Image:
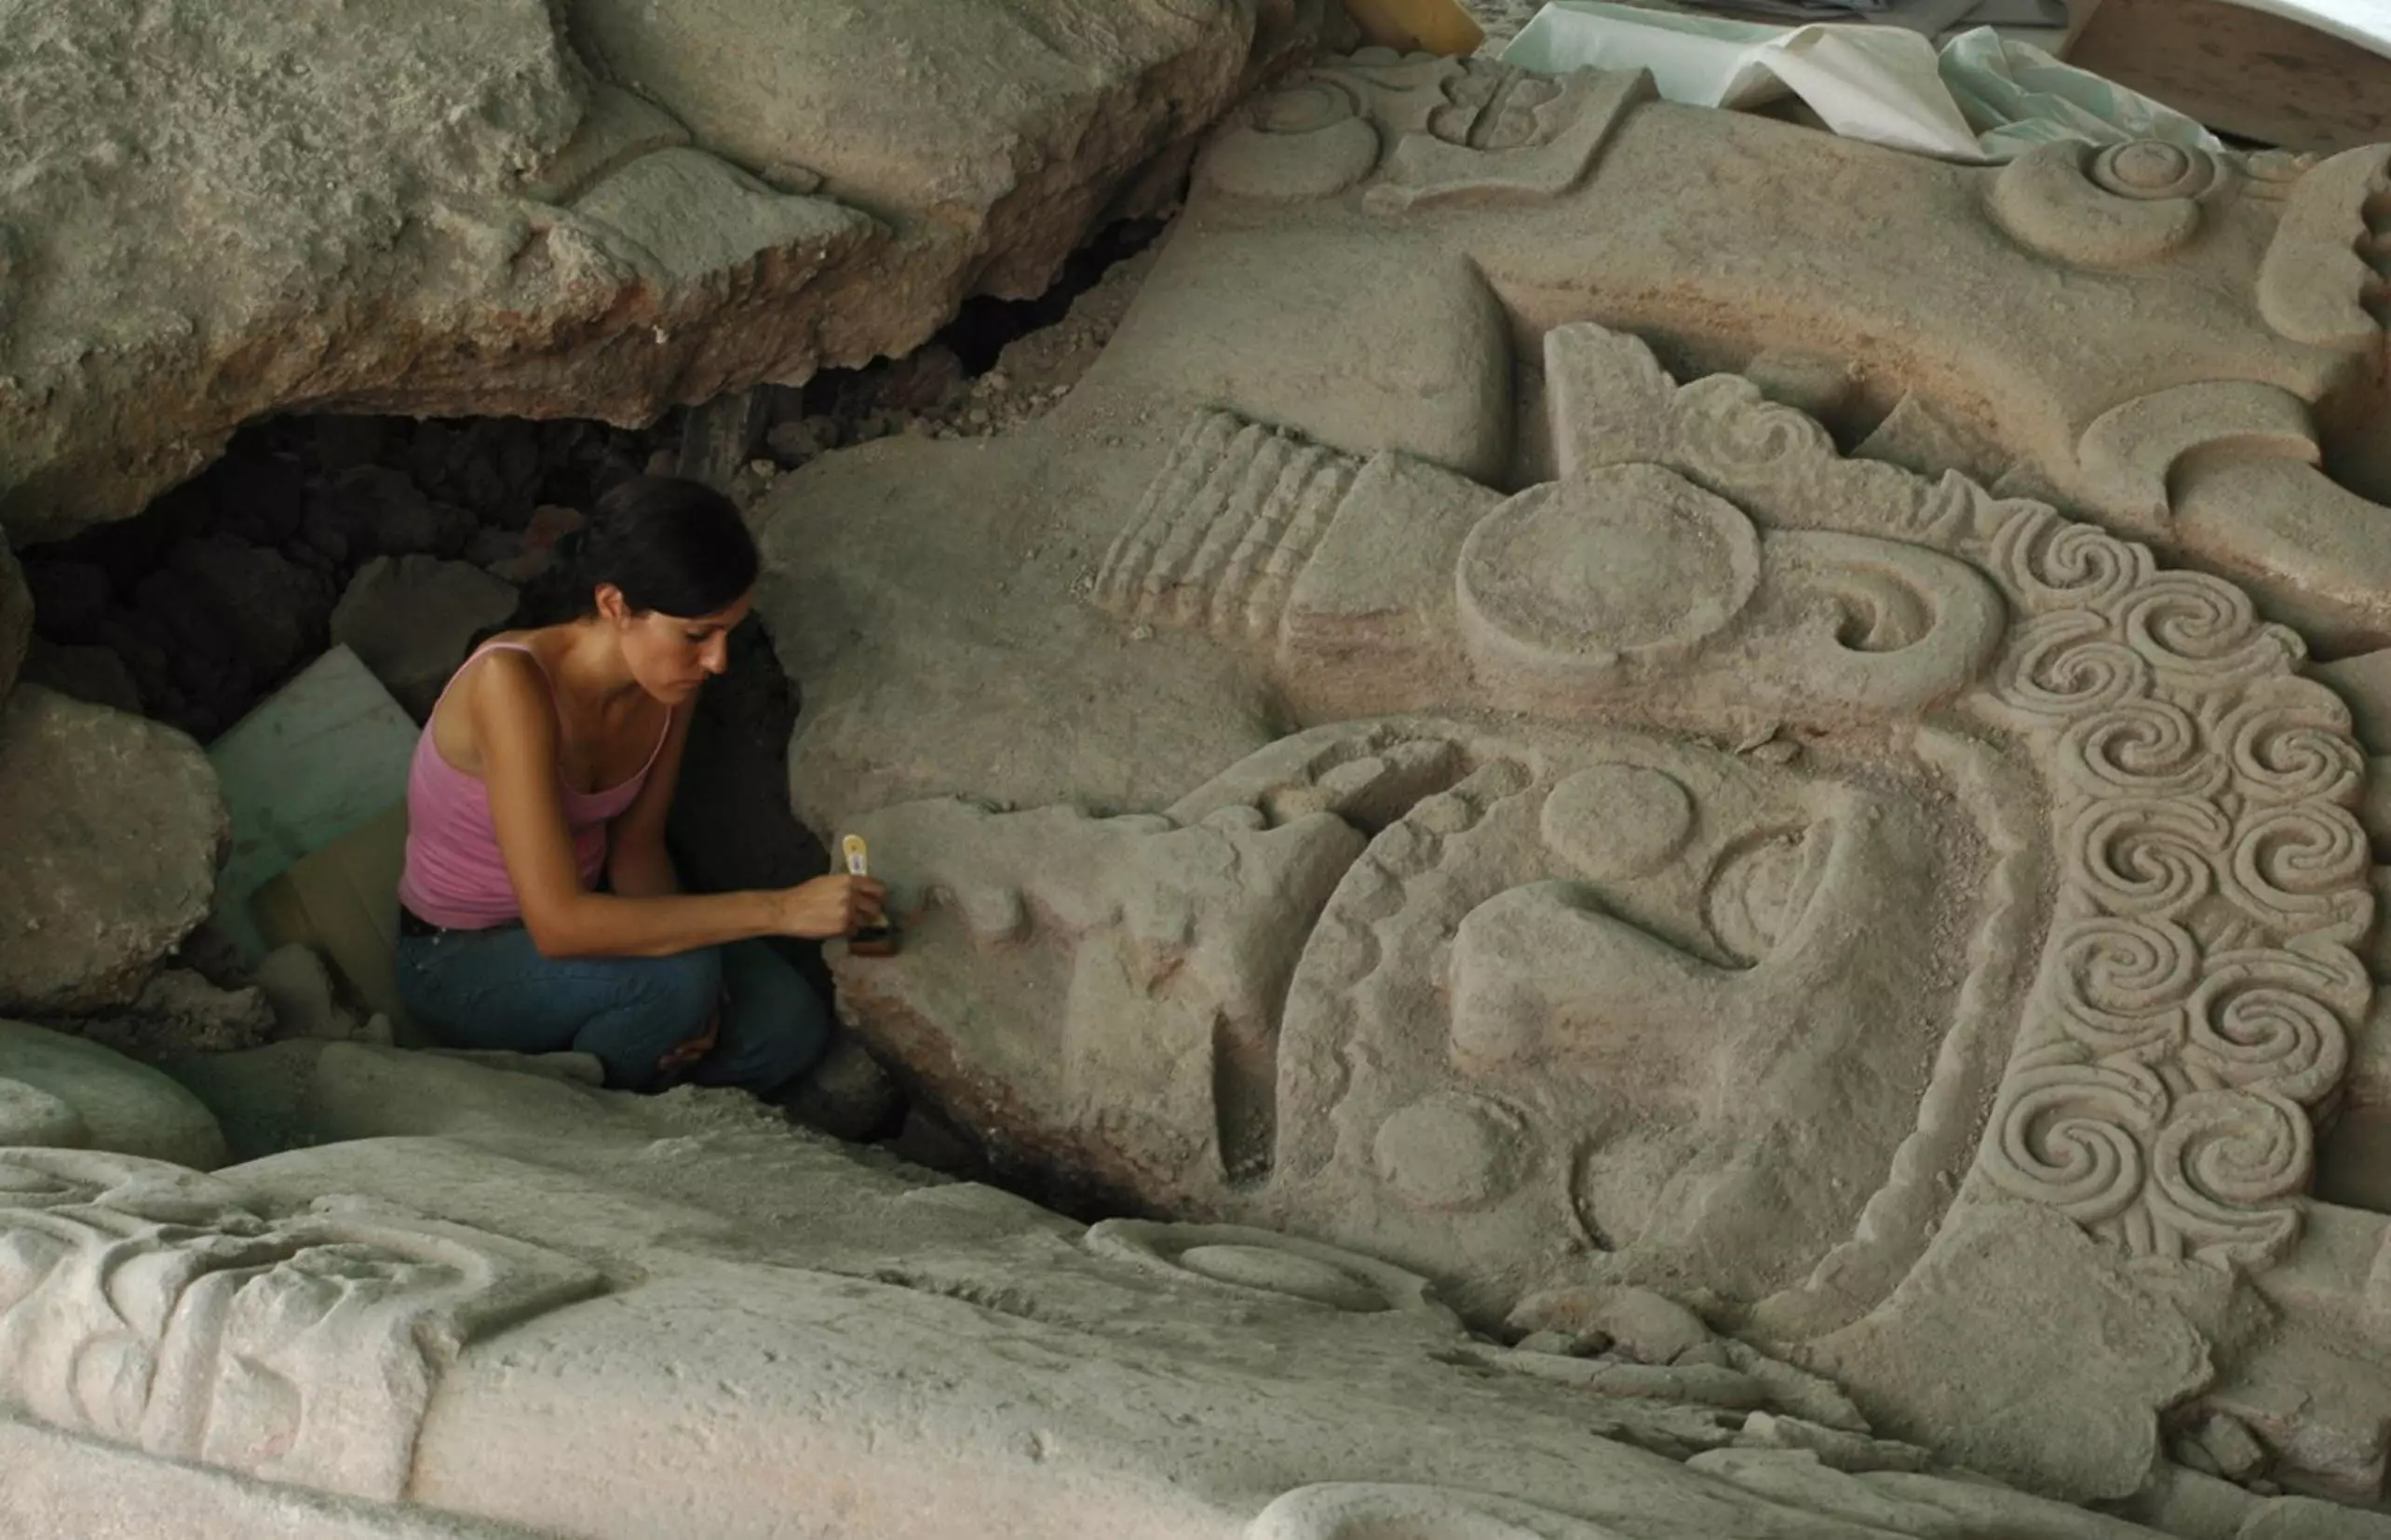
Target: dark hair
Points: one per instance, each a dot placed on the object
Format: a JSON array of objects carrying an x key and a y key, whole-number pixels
[{"x": 671, "y": 544}]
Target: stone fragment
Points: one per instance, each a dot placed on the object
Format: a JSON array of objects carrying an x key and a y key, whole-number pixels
[
  {"x": 299, "y": 988},
  {"x": 180, "y": 1011},
  {"x": 411, "y": 620},
  {"x": 718, "y": 437},
  {"x": 1835, "y": 1448},
  {"x": 1816, "y": 384},
  {"x": 2025, "y": 1375},
  {"x": 2308, "y": 1519},
  {"x": 536, "y": 549},
  {"x": 848, "y": 1095},
  {"x": 2192, "y": 1506},
  {"x": 111, "y": 828},
  {"x": 272, "y": 610},
  {"x": 110, "y": 1102},
  {"x": 379, "y": 510},
  {"x": 795, "y": 441},
  {"x": 93, "y": 675},
  {"x": 1642, "y": 1325},
  {"x": 2232, "y": 1451},
  {"x": 70, "y": 597}
]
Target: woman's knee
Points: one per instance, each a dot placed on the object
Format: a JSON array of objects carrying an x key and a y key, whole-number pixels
[
  {"x": 662, "y": 1002},
  {"x": 775, "y": 1027},
  {"x": 684, "y": 988}
]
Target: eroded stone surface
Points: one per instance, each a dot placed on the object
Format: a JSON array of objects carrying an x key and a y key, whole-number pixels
[
  {"x": 411, "y": 619},
  {"x": 1768, "y": 856},
  {"x": 435, "y": 209},
  {"x": 514, "y": 1262},
  {"x": 111, "y": 827},
  {"x": 62, "y": 1091}
]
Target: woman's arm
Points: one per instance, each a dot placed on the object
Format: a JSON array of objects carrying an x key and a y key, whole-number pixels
[
  {"x": 514, "y": 725},
  {"x": 639, "y": 865}
]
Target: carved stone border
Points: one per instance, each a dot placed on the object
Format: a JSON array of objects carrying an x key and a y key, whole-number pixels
[{"x": 2197, "y": 983}]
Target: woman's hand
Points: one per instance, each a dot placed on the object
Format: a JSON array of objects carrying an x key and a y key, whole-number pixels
[{"x": 830, "y": 906}]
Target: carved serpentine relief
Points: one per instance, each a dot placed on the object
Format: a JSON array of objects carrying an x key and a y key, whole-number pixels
[
  {"x": 144, "y": 1304},
  {"x": 2198, "y": 984},
  {"x": 2191, "y": 1010}
]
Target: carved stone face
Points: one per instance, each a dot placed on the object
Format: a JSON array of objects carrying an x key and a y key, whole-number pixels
[{"x": 1594, "y": 1020}]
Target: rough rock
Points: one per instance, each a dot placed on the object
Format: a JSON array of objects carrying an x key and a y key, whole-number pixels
[
  {"x": 180, "y": 1010},
  {"x": 94, "y": 675},
  {"x": 1641, "y": 1324},
  {"x": 1996, "y": 1389},
  {"x": 434, "y": 210},
  {"x": 504, "y": 1270},
  {"x": 111, "y": 828},
  {"x": 2307, "y": 1519},
  {"x": 848, "y": 1094},
  {"x": 108, "y": 1101},
  {"x": 1001, "y": 131},
  {"x": 411, "y": 619},
  {"x": 297, "y": 987},
  {"x": 16, "y": 617}
]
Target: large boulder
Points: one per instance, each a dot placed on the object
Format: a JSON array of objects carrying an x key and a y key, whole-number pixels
[
  {"x": 997, "y": 130},
  {"x": 63, "y": 1092},
  {"x": 214, "y": 209},
  {"x": 409, "y": 620},
  {"x": 111, "y": 827}
]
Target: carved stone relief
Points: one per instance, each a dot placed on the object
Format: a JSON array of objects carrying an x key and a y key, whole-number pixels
[
  {"x": 143, "y": 1304},
  {"x": 1800, "y": 846}
]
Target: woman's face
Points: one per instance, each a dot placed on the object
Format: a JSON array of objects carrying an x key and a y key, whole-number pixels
[{"x": 671, "y": 656}]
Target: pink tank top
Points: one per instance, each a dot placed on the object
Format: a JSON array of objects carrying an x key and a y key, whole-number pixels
[{"x": 454, "y": 877}]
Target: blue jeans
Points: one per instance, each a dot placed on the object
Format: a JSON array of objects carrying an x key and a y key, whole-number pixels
[{"x": 492, "y": 988}]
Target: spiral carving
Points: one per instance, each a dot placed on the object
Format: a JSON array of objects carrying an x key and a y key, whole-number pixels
[
  {"x": 2123, "y": 984},
  {"x": 2149, "y": 858},
  {"x": 2049, "y": 563},
  {"x": 1753, "y": 435},
  {"x": 2068, "y": 663},
  {"x": 2201, "y": 633},
  {"x": 2223, "y": 1167},
  {"x": 2260, "y": 1021},
  {"x": 2071, "y": 1136},
  {"x": 2197, "y": 988},
  {"x": 2293, "y": 865},
  {"x": 2141, "y": 748},
  {"x": 2292, "y": 744}
]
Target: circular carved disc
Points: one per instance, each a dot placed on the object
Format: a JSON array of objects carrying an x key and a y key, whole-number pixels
[
  {"x": 1623, "y": 562},
  {"x": 1618, "y": 822}
]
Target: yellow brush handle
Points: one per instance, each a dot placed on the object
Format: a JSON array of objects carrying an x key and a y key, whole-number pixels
[{"x": 857, "y": 865}]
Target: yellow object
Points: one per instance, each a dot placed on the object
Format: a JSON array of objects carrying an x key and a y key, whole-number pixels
[
  {"x": 858, "y": 865},
  {"x": 1436, "y": 26},
  {"x": 343, "y": 901}
]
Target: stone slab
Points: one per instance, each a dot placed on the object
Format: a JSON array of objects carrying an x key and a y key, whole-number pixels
[{"x": 324, "y": 755}]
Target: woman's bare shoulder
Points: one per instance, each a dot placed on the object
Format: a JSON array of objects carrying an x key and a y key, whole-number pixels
[{"x": 506, "y": 680}]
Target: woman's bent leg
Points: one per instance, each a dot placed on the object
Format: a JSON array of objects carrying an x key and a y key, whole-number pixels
[
  {"x": 775, "y": 1028},
  {"x": 492, "y": 988}
]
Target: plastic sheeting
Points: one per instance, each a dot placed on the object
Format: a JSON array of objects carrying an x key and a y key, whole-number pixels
[{"x": 1983, "y": 98}]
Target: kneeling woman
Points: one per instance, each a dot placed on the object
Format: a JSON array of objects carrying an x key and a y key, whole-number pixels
[{"x": 539, "y": 910}]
